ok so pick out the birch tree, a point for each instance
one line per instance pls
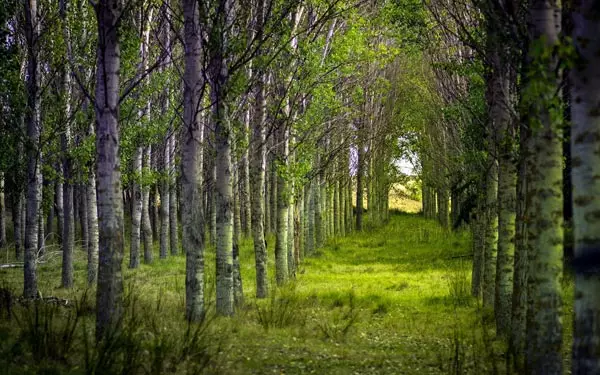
(34, 128)
(68, 225)
(585, 114)
(109, 295)
(191, 164)
(545, 231)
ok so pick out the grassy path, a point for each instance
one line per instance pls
(391, 301)
(394, 300)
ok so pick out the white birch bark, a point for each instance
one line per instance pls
(32, 122)
(173, 223)
(92, 255)
(109, 295)
(68, 234)
(291, 258)
(147, 233)
(191, 170)
(507, 190)
(545, 229)
(219, 81)
(257, 187)
(281, 251)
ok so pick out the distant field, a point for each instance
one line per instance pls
(404, 204)
(399, 200)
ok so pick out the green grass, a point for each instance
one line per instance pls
(393, 300)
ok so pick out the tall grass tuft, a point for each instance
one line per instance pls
(459, 287)
(337, 326)
(56, 337)
(280, 310)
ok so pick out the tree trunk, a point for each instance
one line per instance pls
(283, 200)
(17, 211)
(291, 259)
(360, 172)
(219, 81)
(92, 255)
(23, 212)
(50, 216)
(238, 291)
(350, 220)
(34, 176)
(59, 204)
(322, 212)
(330, 210)
(109, 295)
(273, 183)
(519, 297)
(2, 213)
(257, 175)
(191, 171)
(337, 217)
(164, 200)
(136, 214)
(478, 229)
(309, 219)
(83, 211)
(212, 199)
(491, 233)
(155, 199)
(41, 218)
(245, 205)
(299, 229)
(173, 227)
(147, 234)
(442, 203)
(68, 234)
(507, 189)
(341, 207)
(585, 139)
(319, 226)
(545, 257)
(68, 226)
(267, 193)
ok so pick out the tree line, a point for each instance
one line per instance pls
(148, 129)
(515, 153)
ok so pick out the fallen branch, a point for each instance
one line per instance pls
(48, 300)
(11, 265)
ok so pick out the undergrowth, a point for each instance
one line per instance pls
(52, 338)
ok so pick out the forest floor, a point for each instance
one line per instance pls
(389, 300)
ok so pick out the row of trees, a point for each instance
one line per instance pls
(198, 124)
(519, 84)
